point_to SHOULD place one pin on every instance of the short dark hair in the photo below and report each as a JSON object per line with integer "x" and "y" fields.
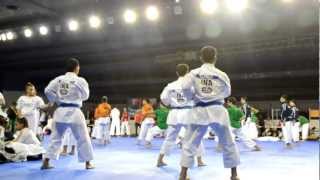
{"x": 284, "y": 96}
{"x": 292, "y": 100}
{"x": 104, "y": 99}
{"x": 23, "y": 121}
{"x": 3, "y": 121}
{"x": 29, "y": 84}
{"x": 208, "y": 54}
{"x": 147, "y": 100}
{"x": 244, "y": 97}
{"x": 182, "y": 69}
{"x": 72, "y": 64}
{"x": 233, "y": 100}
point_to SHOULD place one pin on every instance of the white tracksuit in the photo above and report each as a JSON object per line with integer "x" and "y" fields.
{"x": 68, "y": 91}
{"x": 181, "y": 103}
{"x": 296, "y": 131}
{"x": 29, "y": 107}
{"x": 211, "y": 86}
{"x": 305, "y": 131}
{"x": 115, "y": 124}
{"x": 288, "y": 131}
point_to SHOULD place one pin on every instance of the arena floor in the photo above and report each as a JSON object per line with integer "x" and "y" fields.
{"x": 123, "y": 160}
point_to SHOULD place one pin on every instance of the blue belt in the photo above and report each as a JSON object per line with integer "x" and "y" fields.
{"x": 206, "y": 104}
{"x": 182, "y": 107}
{"x": 69, "y": 105}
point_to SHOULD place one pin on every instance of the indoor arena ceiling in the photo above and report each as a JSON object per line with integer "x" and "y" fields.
{"x": 271, "y": 48}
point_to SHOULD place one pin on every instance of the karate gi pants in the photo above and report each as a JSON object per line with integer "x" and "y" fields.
{"x": 146, "y": 124}
{"x": 247, "y": 141}
{"x": 171, "y": 136}
{"x": 115, "y": 127}
{"x": 68, "y": 139}
{"x": 192, "y": 141}
{"x": 75, "y": 120}
{"x": 102, "y": 129}
{"x": 153, "y": 132}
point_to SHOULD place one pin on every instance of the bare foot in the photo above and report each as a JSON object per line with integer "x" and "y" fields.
{"x": 201, "y": 164}
{"x": 63, "y": 153}
{"x": 148, "y": 145}
{"x": 161, "y": 164}
{"x": 46, "y": 165}
{"x": 89, "y": 166}
{"x": 235, "y": 178}
{"x": 256, "y": 148}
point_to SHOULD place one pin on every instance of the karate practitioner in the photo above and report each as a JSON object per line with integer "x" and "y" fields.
{"x": 180, "y": 102}
{"x": 161, "y": 125}
{"x": 68, "y": 91}
{"x": 148, "y": 120}
{"x": 125, "y": 128}
{"x": 29, "y": 106}
{"x": 236, "y": 117}
{"x": 115, "y": 124}
{"x": 211, "y": 87}
{"x": 101, "y": 128}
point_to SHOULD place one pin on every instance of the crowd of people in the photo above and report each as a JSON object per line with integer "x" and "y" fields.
{"x": 197, "y": 105}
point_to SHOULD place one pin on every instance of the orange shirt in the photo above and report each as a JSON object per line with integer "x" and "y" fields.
{"x": 138, "y": 117}
{"x": 147, "y": 110}
{"x": 102, "y": 110}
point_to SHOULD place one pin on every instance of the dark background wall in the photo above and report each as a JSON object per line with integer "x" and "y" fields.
{"x": 270, "y": 49}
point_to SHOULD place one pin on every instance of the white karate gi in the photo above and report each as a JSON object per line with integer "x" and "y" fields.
{"x": 146, "y": 125}
{"x": 68, "y": 91}
{"x": 68, "y": 139}
{"x": 181, "y": 103}
{"x": 155, "y": 130}
{"x": 211, "y": 87}
{"x": 25, "y": 144}
{"x": 102, "y": 129}
{"x": 115, "y": 124}
{"x": 30, "y": 106}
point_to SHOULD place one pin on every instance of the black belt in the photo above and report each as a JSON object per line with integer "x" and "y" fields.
{"x": 206, "y": 104}
{"x": 69, "y": 105}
